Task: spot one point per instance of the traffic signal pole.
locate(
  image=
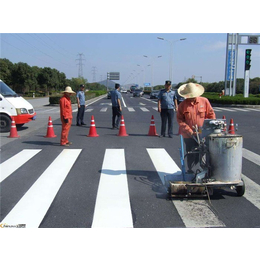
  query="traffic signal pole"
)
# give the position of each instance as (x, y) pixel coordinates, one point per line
(247, 75)
(231, 60)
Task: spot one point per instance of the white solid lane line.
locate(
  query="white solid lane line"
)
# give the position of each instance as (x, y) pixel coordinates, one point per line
(32, 207)
(112, 209)
(12, 164)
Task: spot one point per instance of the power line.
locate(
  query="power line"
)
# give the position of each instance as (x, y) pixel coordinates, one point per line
(66, 51)
(38, 38)
(19, 37)
(21, 50)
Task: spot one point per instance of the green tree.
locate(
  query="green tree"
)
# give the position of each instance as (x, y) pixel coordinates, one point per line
(25, 79)
(6, 69)
(76, 82)
(254, 86)
(49, 80)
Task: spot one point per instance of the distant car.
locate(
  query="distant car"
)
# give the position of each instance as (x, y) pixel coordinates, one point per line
(132, 89)
(154, 94)
(138, 93)
(109, 94)
(124, 91)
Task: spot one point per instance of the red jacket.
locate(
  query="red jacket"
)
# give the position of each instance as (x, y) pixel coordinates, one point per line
(65, 107)
(193, 113)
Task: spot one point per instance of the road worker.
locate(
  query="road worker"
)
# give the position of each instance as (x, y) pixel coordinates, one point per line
(66, 115)
(191, 113)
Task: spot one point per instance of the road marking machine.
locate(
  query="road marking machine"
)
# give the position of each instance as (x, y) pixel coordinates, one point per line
(220, 163)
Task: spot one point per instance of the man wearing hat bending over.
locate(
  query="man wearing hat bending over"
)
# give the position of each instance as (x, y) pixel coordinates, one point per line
(191, 113)
(66, 115)
(167, 102)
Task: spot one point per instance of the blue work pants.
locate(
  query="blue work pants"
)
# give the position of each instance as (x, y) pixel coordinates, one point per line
(167, 115)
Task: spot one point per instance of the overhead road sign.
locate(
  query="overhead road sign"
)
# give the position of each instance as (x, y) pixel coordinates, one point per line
(248, 39)
(113, 75)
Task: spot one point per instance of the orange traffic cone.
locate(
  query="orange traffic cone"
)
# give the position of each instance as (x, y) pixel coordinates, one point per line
(13, 130)
(50, 131)
(92, 129)
(152, 129)
(231, 129)
(122, 130)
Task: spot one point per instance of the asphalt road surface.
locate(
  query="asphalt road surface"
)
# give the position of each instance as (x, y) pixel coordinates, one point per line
(113, 181)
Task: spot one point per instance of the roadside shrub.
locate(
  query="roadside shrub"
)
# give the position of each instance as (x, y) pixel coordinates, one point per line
(229, 100)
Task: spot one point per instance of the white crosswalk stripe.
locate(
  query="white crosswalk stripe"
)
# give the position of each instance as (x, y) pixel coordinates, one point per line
(144, 109)
(253, 157)
(112, 204)
(252, 192)
(104, 109)
(194, 213)
(33, 206)
(12, 164)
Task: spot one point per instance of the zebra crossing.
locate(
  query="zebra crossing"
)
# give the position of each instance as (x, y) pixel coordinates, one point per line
(107, 108)
(150, 109)
(113, 201)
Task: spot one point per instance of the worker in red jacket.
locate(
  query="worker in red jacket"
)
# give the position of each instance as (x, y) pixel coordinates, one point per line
(191, 114)
(66, 115)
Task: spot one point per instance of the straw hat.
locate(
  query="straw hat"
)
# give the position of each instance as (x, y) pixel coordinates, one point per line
(190, 90)
(68, 90)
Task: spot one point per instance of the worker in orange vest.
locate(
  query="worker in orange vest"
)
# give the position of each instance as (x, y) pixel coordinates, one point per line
(66, 115)
(192, 112)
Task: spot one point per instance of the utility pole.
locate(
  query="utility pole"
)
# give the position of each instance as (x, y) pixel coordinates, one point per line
(94, 73)
(80, 64)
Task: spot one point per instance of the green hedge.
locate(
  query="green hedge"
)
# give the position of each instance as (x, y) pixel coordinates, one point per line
(229, 100)
(88, 95)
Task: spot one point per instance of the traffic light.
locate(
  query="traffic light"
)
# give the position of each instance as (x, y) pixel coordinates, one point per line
(248, 59)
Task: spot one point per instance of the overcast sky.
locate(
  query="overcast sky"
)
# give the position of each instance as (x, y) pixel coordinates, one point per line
(201, 54)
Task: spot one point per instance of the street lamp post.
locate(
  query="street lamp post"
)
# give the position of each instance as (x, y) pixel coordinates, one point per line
(143, 71)
(153, 58)
(171, 42)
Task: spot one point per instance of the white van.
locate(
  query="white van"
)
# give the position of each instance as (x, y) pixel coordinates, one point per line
(12, 104)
